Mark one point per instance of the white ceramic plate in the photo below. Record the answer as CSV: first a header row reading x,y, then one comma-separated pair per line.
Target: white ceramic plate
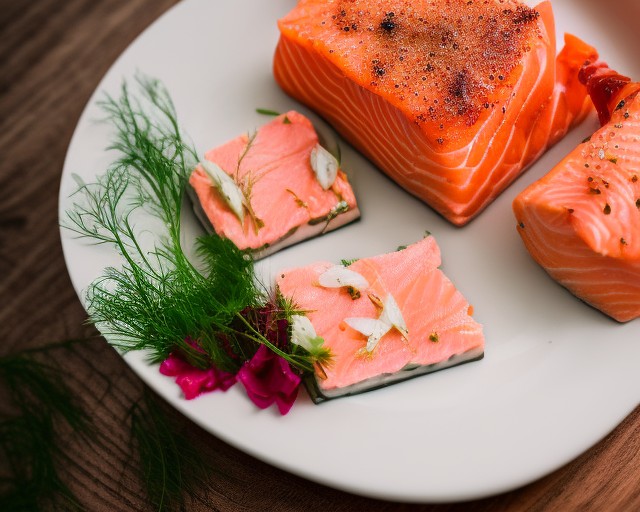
x,y
557,376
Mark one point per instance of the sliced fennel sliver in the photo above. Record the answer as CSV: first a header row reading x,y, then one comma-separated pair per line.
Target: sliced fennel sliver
x,y
324,165
339,276
304,334
228,189
376,328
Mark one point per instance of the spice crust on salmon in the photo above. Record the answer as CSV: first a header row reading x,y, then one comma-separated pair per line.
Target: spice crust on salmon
x,y
453,99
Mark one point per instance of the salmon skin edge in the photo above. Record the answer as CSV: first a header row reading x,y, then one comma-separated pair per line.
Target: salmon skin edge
x,y
310,231
319,395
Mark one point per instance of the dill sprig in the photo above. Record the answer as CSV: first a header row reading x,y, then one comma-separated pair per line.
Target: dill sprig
x,y
171,468
246,185
40,405
39,409
159,300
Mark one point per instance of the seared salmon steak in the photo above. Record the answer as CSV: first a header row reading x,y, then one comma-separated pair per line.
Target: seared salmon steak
x,y
452,99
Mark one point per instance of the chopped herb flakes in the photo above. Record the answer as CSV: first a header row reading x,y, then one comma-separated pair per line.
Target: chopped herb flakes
x,y
267,112
298,201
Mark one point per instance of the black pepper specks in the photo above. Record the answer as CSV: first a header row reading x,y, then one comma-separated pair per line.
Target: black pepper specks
x,y
431,53
378,69
525,15
462,91
388,24
607,209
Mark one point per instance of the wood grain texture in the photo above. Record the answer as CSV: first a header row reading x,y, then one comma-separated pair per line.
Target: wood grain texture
x,y
52,56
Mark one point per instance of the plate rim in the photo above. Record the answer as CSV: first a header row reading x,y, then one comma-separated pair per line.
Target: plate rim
x,y
183,407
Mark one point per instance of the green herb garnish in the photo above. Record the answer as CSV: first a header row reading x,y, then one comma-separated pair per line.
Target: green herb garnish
x,y
159,300
246,185
170,466
267,112
39,414
38,406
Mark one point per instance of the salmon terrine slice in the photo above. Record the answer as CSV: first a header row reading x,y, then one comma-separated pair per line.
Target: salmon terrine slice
x,y
384,319
272,189
452,99
581,222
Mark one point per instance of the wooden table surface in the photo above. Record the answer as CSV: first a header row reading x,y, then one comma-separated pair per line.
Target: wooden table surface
x,y
52,56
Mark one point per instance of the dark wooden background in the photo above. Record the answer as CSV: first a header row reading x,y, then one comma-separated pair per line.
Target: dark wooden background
x,y
52,55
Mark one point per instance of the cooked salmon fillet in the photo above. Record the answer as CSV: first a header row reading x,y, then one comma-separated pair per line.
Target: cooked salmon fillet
x,y
282,200
452,99
581,221
439,331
